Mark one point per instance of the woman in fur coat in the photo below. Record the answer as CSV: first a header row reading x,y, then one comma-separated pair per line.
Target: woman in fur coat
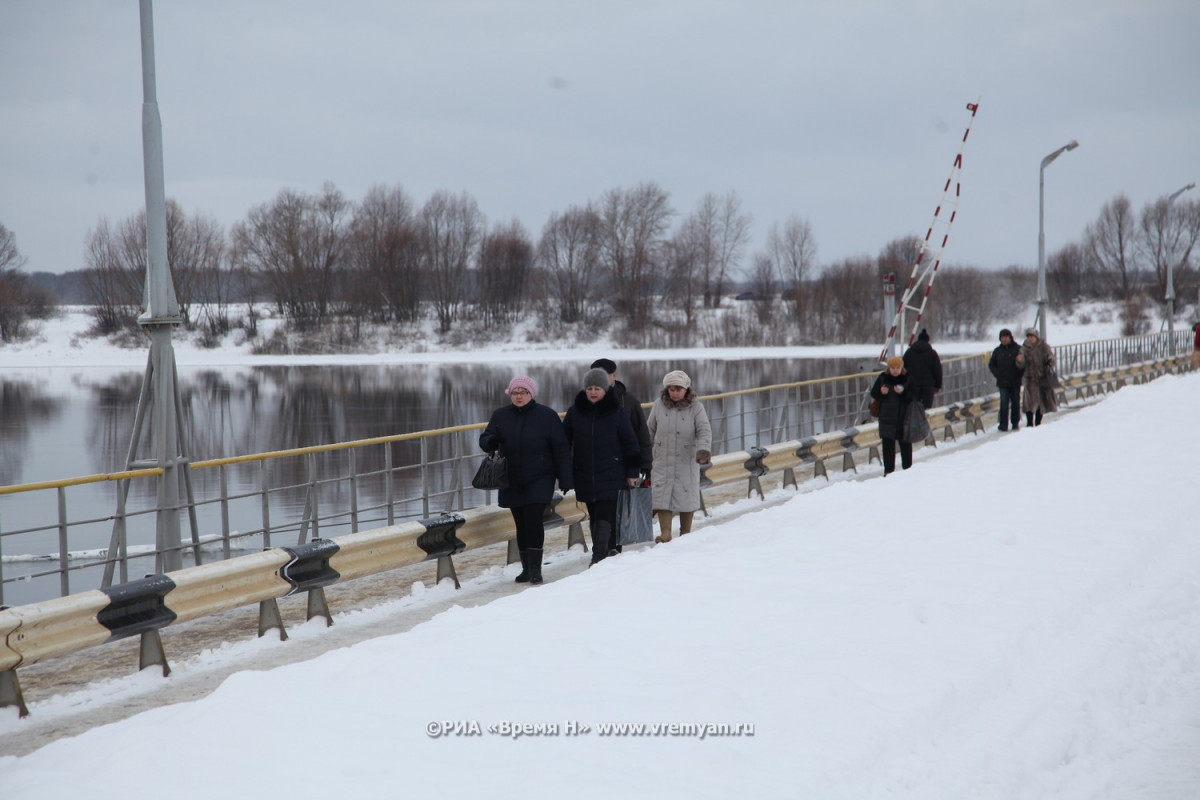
x,y
1037,359
682,437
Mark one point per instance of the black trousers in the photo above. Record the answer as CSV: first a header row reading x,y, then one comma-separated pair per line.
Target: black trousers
x,y
531,526
889,455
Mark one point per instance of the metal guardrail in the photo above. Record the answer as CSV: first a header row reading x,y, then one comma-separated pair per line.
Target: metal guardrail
x,y
40,631
260,500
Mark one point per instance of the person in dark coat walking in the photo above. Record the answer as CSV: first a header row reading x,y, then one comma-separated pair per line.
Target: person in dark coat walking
x,y
633,407
893,391
924,368
604,457
531,437
1003,365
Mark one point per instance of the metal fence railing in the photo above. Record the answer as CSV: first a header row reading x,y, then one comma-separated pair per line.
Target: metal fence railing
x,y
251,502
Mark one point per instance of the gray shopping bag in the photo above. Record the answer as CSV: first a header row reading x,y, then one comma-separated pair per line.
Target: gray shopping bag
x,y
635,515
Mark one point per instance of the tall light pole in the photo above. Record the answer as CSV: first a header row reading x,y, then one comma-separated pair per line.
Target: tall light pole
x,y
1041,292
1171,278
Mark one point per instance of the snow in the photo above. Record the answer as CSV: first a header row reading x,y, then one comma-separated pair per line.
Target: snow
x,y
1019,619
61,342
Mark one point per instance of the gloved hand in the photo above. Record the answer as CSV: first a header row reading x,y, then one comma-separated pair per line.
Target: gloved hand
x,y
703,456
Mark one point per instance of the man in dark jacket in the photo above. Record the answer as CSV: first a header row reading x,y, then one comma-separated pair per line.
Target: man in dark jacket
x,y
1003,365
924,368
633,407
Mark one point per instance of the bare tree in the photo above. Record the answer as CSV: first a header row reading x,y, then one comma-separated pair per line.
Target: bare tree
x,y
963,305
634,224
1168,237
569,252
792,253
1111,246
682,256
451,228
1069,276
385,256
196,250
505,269
763,283
14,289
718,234
112,281
296,243
845,304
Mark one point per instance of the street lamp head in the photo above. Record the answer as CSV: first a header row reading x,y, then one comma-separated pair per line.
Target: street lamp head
x,y
1071,145
1175,194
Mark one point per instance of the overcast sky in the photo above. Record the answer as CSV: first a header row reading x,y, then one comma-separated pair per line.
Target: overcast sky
x,y
848,114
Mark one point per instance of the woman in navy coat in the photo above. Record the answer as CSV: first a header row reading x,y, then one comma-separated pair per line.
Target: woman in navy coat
x,y
605,457
531,438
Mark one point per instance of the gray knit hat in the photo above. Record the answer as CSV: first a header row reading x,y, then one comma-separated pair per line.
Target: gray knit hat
x,y
596,377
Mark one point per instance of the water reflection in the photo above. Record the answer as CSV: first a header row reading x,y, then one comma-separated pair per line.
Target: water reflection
x,y
25,407
67,423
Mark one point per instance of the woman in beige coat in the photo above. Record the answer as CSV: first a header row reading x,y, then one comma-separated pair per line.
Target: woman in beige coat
x,y
682,439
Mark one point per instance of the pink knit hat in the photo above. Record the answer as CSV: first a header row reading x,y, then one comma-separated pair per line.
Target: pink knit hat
x,y
522,382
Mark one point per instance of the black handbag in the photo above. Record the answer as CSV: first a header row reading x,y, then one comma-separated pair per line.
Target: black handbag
x,y
492,473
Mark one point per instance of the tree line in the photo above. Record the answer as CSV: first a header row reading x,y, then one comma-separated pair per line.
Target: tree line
x,y
621,264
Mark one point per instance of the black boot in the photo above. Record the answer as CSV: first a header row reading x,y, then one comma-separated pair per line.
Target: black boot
x,y
524,576
1028,419
601,536
533,565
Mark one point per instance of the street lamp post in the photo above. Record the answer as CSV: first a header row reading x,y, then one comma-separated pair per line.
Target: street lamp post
x,y
1041,292
1171,278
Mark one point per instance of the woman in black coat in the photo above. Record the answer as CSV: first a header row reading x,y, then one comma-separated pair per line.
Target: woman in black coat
x,y
890,390
605,457
531,438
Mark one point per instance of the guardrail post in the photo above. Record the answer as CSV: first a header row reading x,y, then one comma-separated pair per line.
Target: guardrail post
x,y
269,617
806,455
439,542
756,469
309,571
138,607
575,535
10,692
848,446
